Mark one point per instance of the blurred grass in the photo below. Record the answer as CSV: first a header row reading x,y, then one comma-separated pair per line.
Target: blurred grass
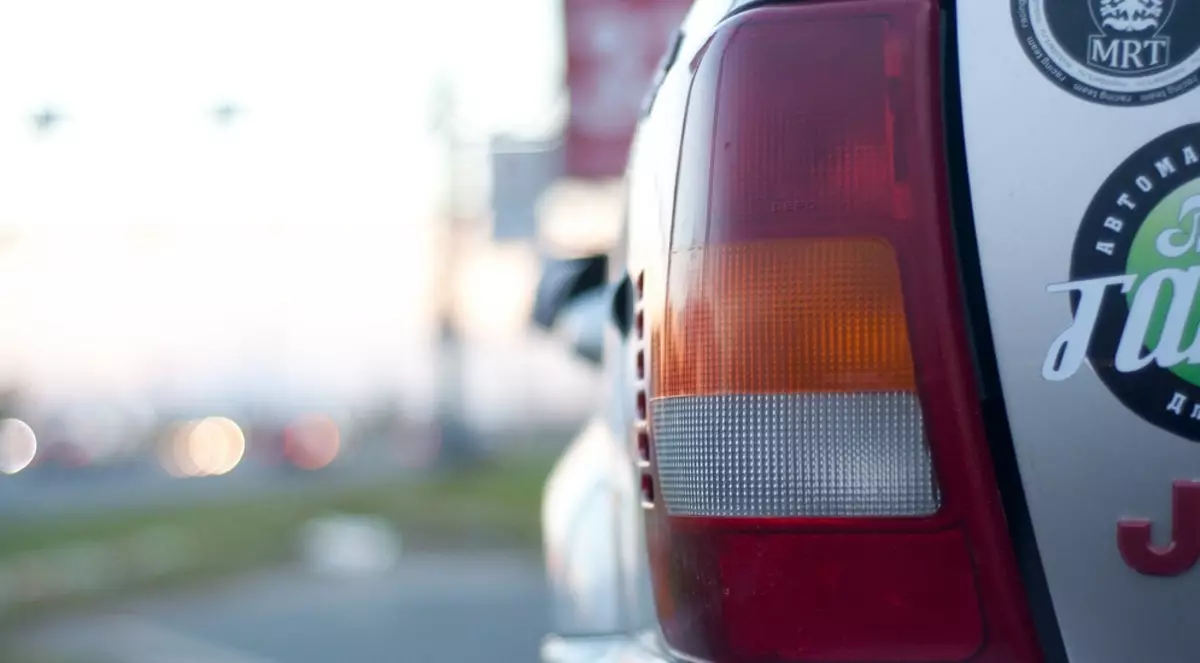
x,y
18,655
495,505
498,501
34,657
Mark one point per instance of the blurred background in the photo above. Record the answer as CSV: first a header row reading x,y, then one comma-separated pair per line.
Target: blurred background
x,y
268,387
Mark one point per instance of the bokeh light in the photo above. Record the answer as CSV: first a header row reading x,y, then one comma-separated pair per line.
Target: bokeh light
x,y
216,446
208,447
18,446
312,442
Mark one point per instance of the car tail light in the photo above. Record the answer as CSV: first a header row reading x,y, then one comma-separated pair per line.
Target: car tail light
x,y
816,478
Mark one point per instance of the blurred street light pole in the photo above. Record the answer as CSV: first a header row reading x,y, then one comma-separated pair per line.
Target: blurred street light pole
x,y
457,443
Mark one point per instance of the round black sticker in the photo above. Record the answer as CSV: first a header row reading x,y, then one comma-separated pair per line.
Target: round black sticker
x,y
1115,52
1135,286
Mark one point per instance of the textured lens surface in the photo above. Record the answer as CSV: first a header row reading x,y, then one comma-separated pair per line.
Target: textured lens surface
x,y
813,454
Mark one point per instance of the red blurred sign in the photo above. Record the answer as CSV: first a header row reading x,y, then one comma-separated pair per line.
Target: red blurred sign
x,y
613,51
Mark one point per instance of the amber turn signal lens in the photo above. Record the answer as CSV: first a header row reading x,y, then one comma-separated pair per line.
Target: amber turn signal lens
x,y
800,315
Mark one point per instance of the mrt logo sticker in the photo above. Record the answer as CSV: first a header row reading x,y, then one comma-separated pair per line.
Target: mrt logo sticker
x,y
1113,52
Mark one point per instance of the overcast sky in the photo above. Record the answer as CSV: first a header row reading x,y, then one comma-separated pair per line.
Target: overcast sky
x,y
252,238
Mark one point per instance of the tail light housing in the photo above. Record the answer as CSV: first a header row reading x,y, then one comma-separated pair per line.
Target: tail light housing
x,y
815,476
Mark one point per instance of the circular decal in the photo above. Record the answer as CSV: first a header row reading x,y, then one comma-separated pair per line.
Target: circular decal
x,y
1115,52
1135,286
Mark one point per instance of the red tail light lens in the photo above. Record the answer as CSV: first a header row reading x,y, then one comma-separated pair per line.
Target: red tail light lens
x,y
820,488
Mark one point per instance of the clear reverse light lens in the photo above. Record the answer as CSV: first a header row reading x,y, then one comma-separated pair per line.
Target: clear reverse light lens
x,y
794,455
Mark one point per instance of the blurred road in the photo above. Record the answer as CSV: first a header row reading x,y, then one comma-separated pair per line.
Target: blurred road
x,y
458,607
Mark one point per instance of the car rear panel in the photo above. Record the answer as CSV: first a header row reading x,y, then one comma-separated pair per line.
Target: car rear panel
x,y
812,159
1059,163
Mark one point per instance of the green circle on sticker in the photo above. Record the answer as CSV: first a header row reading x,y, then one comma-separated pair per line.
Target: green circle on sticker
x,y
1145,259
